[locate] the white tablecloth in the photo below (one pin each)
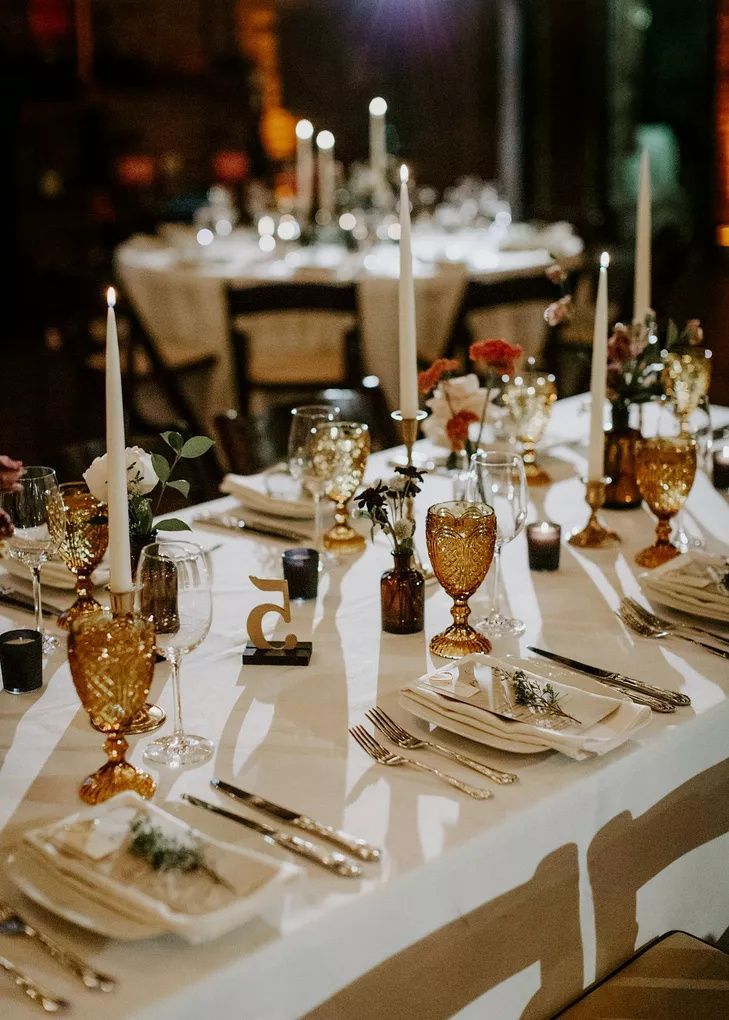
(499, 909)
(179, 294)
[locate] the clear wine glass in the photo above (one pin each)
(499, 480)
(35, 508)
(173, 588)
(304, 420)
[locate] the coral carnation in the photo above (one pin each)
(429, 379)
(457, 428)
(495, 355)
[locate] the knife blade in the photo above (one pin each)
(627, 683)
(356, 847)
(19, 600)
(335, 862)
(238, 524)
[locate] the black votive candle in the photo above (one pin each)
(301, 570)
(543, 540)
(721, 468)
(21, 661)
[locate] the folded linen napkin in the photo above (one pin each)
(54, 573)
(483, 715)
(261, 493)
(691, 582)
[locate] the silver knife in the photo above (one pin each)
(18, 599)
(354, 846)
(335, 862)
(646, 690)
(238, 524)
(47, 1001)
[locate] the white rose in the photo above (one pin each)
(141, 476)
(464, 394)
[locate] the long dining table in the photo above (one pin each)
(502, 908)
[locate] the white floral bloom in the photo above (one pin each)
(141, 476)
(464, 394)
(397, 483)
(403, 528)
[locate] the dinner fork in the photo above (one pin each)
(658, 621)
(406, 740)
(640, 626)
(385, 757)
(50, 1003)
(13, 924)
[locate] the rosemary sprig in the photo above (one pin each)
(543, 700)
(168, 853)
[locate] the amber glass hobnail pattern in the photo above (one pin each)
(528, 399)
(339, 457)
(82, 540)
(112, 662)
(461, 538)
(686, 376)
(666, 470)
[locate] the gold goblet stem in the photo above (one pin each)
(595, 534)
(409, 431)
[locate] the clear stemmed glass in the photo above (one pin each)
(499, 480)
(173, 588)
(304, 420)
(36, 509)
(339, 458)
(528, 399)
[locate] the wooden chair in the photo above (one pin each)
(324, 299)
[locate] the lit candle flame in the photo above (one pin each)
(304, 129)
(378, 107)
(325, 140)
(111, 297)
(404, 174)
(604, 260)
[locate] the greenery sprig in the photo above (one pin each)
(543, 700)
(183, 449)
(385, 504)
(168, 853)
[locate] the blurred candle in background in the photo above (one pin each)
(304, 169)
(120, 561)
(378, 146)
(598, 378)
(642, 293)
(325, 162)
(406, 295)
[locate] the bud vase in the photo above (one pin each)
(402, 596)
(621, 442)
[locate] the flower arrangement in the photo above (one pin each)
(385, 503)
(146, 471)
(634, 367)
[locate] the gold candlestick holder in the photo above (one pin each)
(595, 534)
(409, 431)
(150, 717)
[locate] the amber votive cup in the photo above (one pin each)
(21, 661)
(301, 570)
(543, 543)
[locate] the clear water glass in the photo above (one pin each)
(304, 420)
(499, 480)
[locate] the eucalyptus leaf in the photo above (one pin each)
(172, 524)
(161, 466)
(174, 440)
(196, 446)
(181, 485)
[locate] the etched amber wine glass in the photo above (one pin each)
(666, 466)
(460, 537)
(339, 457)
(82, 540)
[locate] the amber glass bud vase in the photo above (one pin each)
(402, 596)
(622, 493)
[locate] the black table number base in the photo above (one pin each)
(300, 655)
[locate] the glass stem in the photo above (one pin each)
(317, 522)
(175, 659)
(495, 581)
(37, 605)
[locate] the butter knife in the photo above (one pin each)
(18, 599)
(50, 1003)
(335, 862)
(619, 680)
(241, 526)
(356, 847)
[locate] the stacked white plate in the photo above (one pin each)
(691, 584)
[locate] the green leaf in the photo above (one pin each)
(182, 485)
(161, 466)
(196, 446)
(174, 440)
(672, 334)
(172, 524)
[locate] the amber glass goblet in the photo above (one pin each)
(112, 662)
(666, 466)
(82, 542)
(339, 457)
(528, 399)
(461, 538)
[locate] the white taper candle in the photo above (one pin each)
(304, 169)
(642, 292)
(408, 345)
(598, 378)
(325, 164)
(120, 565)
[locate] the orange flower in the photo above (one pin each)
(457, 428)
(429, 379)
(495, 355)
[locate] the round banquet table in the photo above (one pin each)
(504, 908)
(178, 288)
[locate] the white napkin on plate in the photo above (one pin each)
(606, 721)
(691, 583)
(261, 493)
(54, 573)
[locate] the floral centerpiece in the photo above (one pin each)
(387, 504)
(634, 369)
(145, 473)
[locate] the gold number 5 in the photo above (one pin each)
(254, 624)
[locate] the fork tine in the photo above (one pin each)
(368, 742)
(382, 723)
(355, 732)
(394, 726)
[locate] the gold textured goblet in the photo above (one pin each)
(666, 467)
(686, 377)
(112, 662)
(82, 540)
(339, 457)
(460, 537)
(528, 399)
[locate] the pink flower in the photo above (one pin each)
(555, 274)
(559, 311)
(693, 333)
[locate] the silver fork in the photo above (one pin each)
(640, 626)
(50, 1003)
(653, 620)
(13, 924)
(406, 740)
(385, 757)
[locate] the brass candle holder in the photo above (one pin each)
(409, 431)
(595, 534)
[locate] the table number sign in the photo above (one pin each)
(260, 651)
